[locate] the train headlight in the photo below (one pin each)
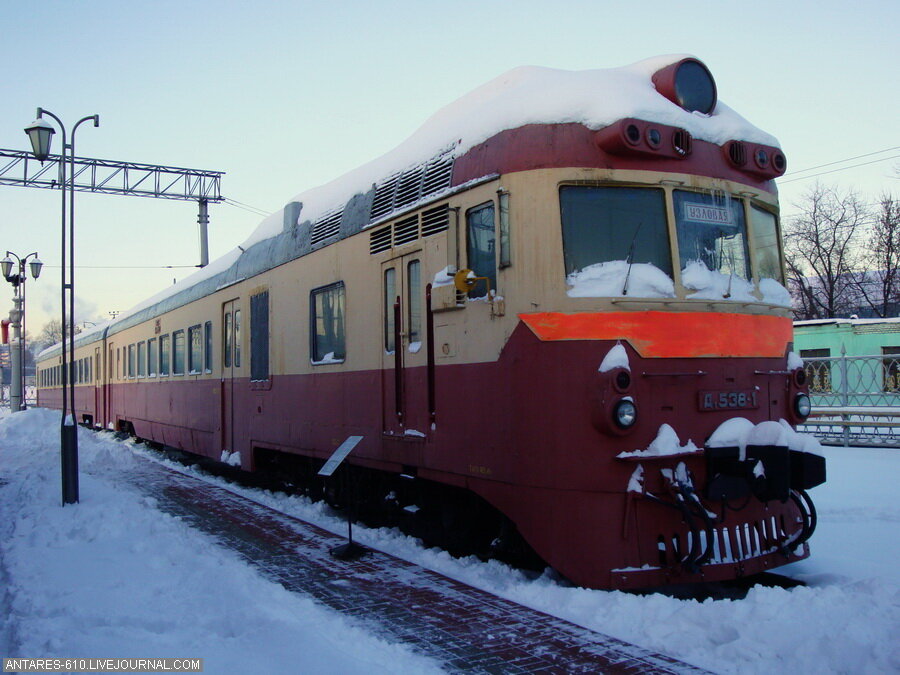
(625, 414)
(802, 406)
(689, 84)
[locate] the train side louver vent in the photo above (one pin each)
(435, 220)
(326, 227)
(380, 240)
(406, 230)
(407, 188)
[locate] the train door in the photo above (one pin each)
(109, 386)
(99, 392)
(405, 399)
(231, 364)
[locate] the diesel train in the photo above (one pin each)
(556, 316)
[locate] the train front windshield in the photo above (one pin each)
(608, 224)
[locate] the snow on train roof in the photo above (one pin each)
(530, 95)
(524, 95)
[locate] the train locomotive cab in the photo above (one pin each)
(654, 341)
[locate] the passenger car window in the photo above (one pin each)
(481, 247)
(259, 337)
(327, 336)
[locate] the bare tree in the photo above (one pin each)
(880, 286)
(822, 253)
(50, 335)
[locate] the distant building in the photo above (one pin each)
(833, 349)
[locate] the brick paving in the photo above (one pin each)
(463, 628)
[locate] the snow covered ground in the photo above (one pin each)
(114, 577)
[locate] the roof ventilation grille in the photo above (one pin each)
(326, 227)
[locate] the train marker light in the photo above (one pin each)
(625, 414)
(802, 405)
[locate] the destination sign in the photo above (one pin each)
(708, 214)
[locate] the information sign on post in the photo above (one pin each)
(350, 550)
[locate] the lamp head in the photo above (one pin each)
(6, 266)
(40, 132)
(36, 266)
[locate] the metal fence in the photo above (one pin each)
(856, 399)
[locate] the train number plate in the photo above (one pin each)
(729, 400)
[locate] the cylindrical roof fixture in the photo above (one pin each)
(6, 266)
(689, 84)
(40, 132)
(36, 266)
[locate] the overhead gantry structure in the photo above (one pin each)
(103, 176)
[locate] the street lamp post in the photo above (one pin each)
(17, 321)
(41, 132)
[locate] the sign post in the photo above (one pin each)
(350, 550)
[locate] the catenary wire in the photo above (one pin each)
(843, 168)
(841, 161)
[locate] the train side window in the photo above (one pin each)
(130, 361)
(259, 337)
(208, 351)
(195, 350)
(237, 338)
(152, 357)
(226, 342)
(390, 296)
(414, 302)
(164, 354)
(327, 334)
(481, 240)
(142, 359)
(118, 363)
(505, 250)
(765, 244)
(178, 352)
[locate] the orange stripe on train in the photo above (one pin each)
(671, 334)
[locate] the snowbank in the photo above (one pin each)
(114, 577)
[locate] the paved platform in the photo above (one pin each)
(463, 628)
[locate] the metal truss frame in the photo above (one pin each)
(20, 168)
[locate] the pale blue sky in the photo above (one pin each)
(284, 96)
